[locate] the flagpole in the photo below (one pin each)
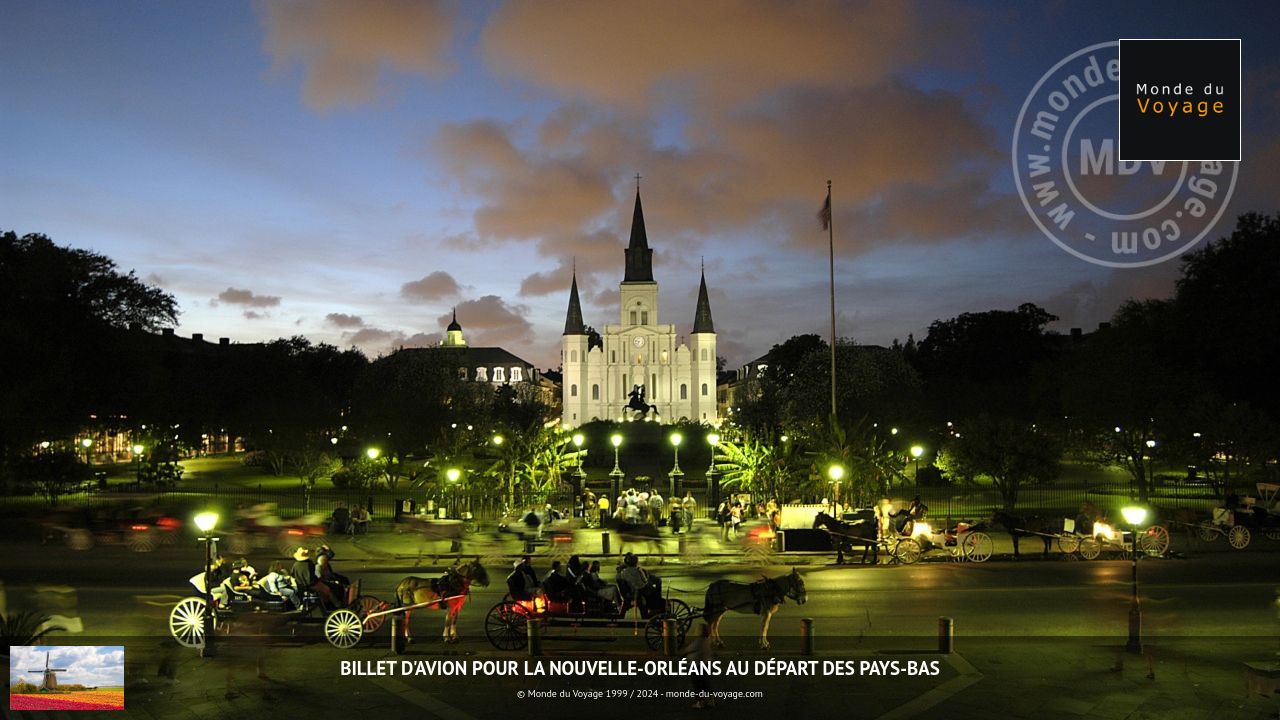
(831, 257)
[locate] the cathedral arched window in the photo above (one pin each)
(644, 317)
(595, 392)
(613, 357)
(573, 356)
(633, 317)
(516, 375)
(499, 375)
(654, 384)
(573, 391)
(462, 373)
(704, 389)
(704, 355)
(482, 374)
(684, 391)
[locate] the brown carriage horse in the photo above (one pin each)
(444, 593)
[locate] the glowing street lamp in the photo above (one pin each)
(372, 453)
(578, 475)
(836, 473)
(714, 441)
(916, 452)
(615, 475)
(1151, 462)
(206, 522)
(86, 444)
(497, 439)
(453, 474)
(1135, 516)
(676, 474)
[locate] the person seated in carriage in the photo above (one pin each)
(638, 586)
(592, 582)
(917, 510)
(556, 585)
(279, 584)
(304, 575)
(523, 583)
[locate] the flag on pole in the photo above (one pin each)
(824, 215)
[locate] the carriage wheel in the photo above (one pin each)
(1155, 541)
(977, 547)
(141, 541)
(1272, 533)
(240, 543)
(343, 628)
(653, 630)
(366, 604)
(1207, 532)
(186, 622)
(1090, 548)
(1069, 544)
(1239, 537)
(681, 611)
(908, 551)
(505, 626)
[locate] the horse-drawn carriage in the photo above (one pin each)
(1087, 536)
(342, 627)
(260, 526)
(908, 540)
(1238, 520)
(506, 625)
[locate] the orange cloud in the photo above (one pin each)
(344, 47)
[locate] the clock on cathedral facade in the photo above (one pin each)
(639, 354)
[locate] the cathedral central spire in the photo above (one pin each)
(639, 255)
(573, 324)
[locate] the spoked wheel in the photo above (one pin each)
(1069, 543)
(505, 626)
(1155, 541)
(1272, 533)
(908, 551)
(1207, 532)
(343, 628)
(1090, 548)
(186, 622)
(1239, 537)
(653, 630)
(141, 541)
(977, 547)
(366, 604)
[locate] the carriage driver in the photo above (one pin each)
(523, 583)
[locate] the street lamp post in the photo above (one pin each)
(578, 474)
(836, 473)
(1151, 461)
(916, 452)
(1135, 517)
(453, 474)
(713, 486)
(137, 463)
(87, 443)
(676, 474)
(206, 522)
(615, 475)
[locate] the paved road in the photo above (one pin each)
(123, 593)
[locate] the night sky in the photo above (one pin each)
(350, 171)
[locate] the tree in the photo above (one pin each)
(52, 472)
(983, 362)
(1011, 453)
(60, 311)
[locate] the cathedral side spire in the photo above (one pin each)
(702, 317)
(573, 324)
(639, 255)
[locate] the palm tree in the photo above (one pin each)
(23, 628)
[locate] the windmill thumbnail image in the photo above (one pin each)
(49, 683)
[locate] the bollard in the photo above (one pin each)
(528, 547)
(604, 543)
(534, 630)
(670, 636)
(781, 540)
(397, 634)
(946, 635)
(682, 543)
(806, 636)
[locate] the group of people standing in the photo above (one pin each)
(635, 507)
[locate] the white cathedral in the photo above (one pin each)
(640, 358)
